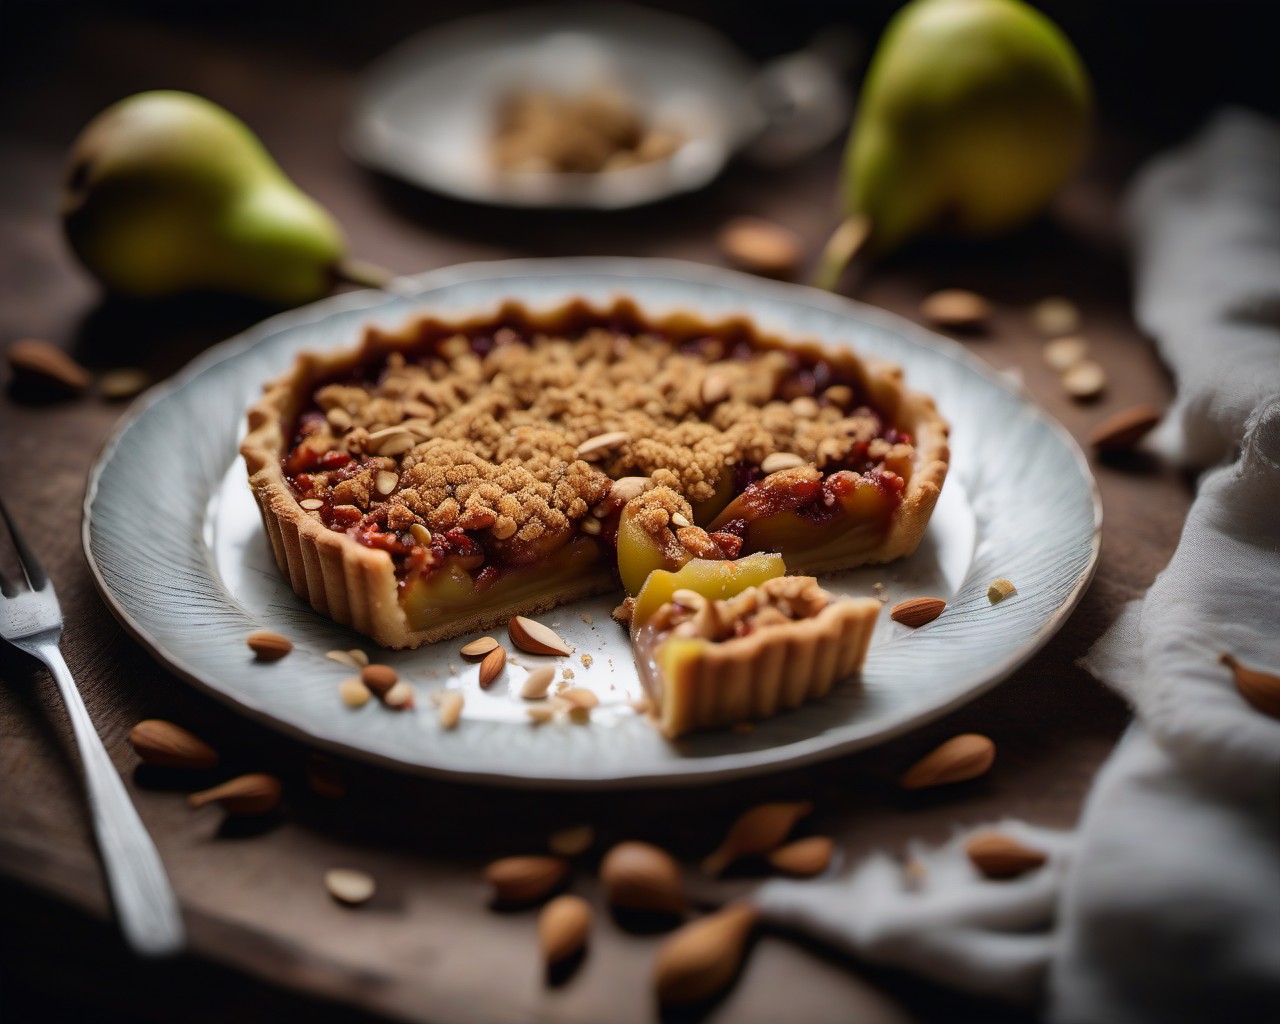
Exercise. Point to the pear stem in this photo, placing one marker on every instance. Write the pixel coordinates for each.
(843, 245)
(363, 273)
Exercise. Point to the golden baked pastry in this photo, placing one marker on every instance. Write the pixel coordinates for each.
(444, 477)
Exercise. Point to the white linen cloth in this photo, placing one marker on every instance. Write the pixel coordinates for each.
(1164, 905)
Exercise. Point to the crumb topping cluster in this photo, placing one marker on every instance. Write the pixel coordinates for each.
(523, 437)
(775, 602)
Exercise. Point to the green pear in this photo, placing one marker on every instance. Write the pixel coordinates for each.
(167, 192)
(972, 115)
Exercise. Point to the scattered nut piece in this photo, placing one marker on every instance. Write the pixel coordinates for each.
(578, 714)
(400, 696)
(573, 841)
(1124, 429)
(311, 504)
(541, 714)
(680, 519)
(1063, 353)
(162, 743)
(1085, 380)
(118, 385)
(644, 877)
(491, 667)
(533, 637)
(956, 309)
(1055, 316)
(917, 611)
(590, 526)
(1261, 689)
(479, 648)
(269, 646)
(581, 697)
(563, 927)
(42, 364)
(998, 856)
(537, 683)
(601, 443)
(804, 858)
(349, 886)
(353, 692)
(525, 879)
(999, 590)
(960, 759)
(248, 795)
(421, 534)
(779, 461)
(386, 481)
(715, 388)
(756, 832)
(760, 246)
(379, 678)
(450, 709)
(345, 658)
(688, 598)
(701, 958)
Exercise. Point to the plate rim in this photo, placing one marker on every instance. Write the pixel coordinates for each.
(706, 771)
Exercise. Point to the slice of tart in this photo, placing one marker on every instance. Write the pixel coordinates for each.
(442, 478)
(717, 643)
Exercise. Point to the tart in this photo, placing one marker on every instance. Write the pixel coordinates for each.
(441, 478)
(718, 643)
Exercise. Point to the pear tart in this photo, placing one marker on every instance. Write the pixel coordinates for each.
(441, 478)
(718, 643)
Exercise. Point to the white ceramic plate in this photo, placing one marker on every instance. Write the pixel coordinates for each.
(178, 550)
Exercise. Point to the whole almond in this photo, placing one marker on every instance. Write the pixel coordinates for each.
(537, 683)
(43, 364)
(491, 667)
(573, 841)
(479, 647)
(701, 958)
(535, 638)
(803, 858)
(449, 713)
(640, 876)
(349, 886)
(998, 856)
(159, 742)
(760, 246)
(756, 832)
(1261, 689)
(917, 611)
(525, 879)
(1124, 429)
(379, 678)
(956, 308)
(268, 645)
(961, 758)
(563, 927)
(247, 795)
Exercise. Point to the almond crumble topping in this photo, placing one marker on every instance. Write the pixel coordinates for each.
(775, 602)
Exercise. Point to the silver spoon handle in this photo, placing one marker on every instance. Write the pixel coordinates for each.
(144, 900)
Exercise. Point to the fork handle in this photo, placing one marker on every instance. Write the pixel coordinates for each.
(144, 900)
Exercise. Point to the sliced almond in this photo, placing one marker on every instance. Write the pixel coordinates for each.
(573, 841)
(716, 387)
(702, 957)
(525, 879)
(917, 611)
(42, 364)
(760, 246)
(268, 645)
(1261, 689)
(580, 697)
(956, 308)
(386, 481)
(804, 858)
(1055, 316)
(533, 637)
(311, 504)
(396, 443)
(420, 534)
(999, 589)
(1063, 353)
(594, 447)
(541, 714)
(563, 927)
(344, 658)
(756, 832)
(779, 461)
(960, 759)
(491, 667)
(537, 683)
(124, 383)
(680, 520)
(590, 526)
(479, 647)
(504, 528)
(162, 743)
(627, 487)
(998, 856)
(349, 886)
(449, 711)
(339, 419)
(1124, 429)
(248, 795)
(353, 692)
(379, 678)
(1085, 380)
(400, 696)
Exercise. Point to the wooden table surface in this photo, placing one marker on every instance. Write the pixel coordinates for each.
(266, 942)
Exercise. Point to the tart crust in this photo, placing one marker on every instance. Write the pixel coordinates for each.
(356, 585)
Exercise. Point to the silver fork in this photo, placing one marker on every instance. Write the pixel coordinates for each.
(31, 620)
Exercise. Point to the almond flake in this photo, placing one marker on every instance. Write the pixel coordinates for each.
(312, 504)
(581, 697)
(450, 709)
(537, 683)
(590, 526)
(343, 658)
(779, 461)
(420, 533)
(680, 520)
(1063, 353)
(479, 647)
(399, 696)
(386, 481)
(602, 442)
(1085, 380)
(533, 637)
(999, 590)
(349, 886)
(353, 692)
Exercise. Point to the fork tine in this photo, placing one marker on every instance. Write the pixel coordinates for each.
(31, 567)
